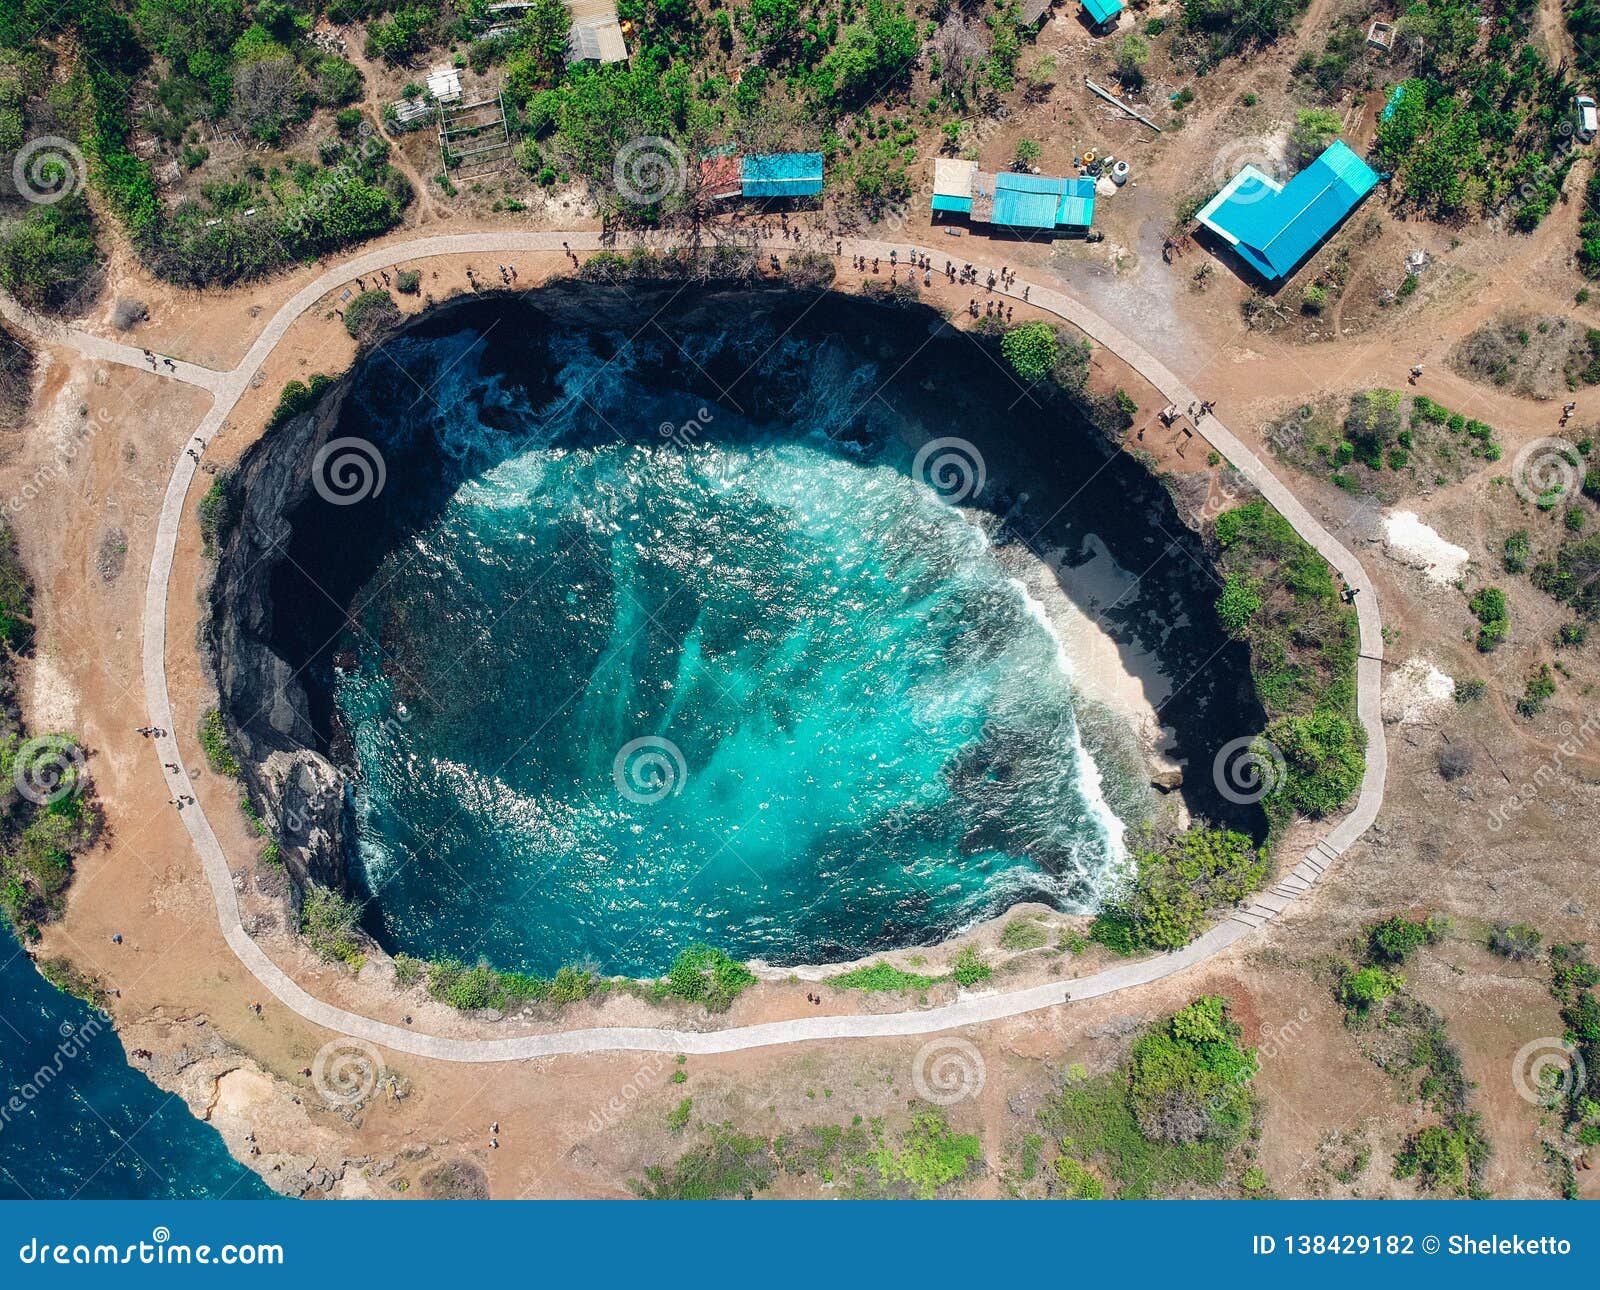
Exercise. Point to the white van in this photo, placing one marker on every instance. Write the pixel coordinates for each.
(1588, 120)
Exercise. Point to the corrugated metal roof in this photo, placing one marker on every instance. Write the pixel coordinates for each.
(1102, 11)
(1042, 201)
(1025, 210)
(1077, 211)
(782, 174)
(961, 205)
(1275, 228)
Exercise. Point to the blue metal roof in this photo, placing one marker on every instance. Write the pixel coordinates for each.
(1274, 228)
(943, 202)
(781, 174)
(1102, 11)
(1042, 201)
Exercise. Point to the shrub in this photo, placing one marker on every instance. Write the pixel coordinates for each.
(707, 976)
(1363, 988)
(1515, 555)
(1540, 687)
(1395, 939)
(1516, 941)
(48, 257)
(369, 313)
(1032, 349)
(328, 921)
(216, 745)
(1455, 761)
(1115, 929)
(1074, 1182)
(1237, 604)
(1324, 760)
(1444, 1157)
(219, 511)
(968, 967)
(880, 978)
(1489, 607)
(1175, 888)
(1023, 934)
(1189, 1080)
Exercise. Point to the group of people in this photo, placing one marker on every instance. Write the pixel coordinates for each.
(154, 366)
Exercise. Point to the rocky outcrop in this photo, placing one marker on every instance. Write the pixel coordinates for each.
(299, 790)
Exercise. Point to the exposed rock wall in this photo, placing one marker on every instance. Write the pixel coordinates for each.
(263, 704)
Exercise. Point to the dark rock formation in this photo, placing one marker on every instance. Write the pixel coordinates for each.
(299, 791)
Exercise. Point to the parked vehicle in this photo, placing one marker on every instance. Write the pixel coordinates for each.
(1588, 118)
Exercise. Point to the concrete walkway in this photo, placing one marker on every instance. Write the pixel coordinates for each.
(973, 1008)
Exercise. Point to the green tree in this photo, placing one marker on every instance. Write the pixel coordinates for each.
(1032, 349)
(1314, 129)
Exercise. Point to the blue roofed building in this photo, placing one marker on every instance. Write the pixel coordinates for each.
(781, 174)
(1015, 201)
(1102, 13)
(1274, 226)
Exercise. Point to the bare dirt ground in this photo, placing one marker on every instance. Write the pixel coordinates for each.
(1476, 849)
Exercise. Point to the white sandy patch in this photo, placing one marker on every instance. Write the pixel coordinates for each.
(1416, 691)
(53, 703)
(1126, 678)
(1408, 540)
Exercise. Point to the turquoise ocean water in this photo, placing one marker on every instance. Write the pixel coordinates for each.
(647, 672)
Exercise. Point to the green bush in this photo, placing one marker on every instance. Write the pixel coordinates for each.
(219, 510)
(369, 313)
(1363, 988)
(216, 745)
(1023, 934)
(1516, 941)
(1445, 1157)
(707, 976)
(1032, 349)
(968, 967)
(1489, 607)
(1176, 887)
(329, 922)
(1395, 939)
(48, 257)
(882, 977)
(1189, 1079)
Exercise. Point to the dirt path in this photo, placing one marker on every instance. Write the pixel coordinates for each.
(427, 211)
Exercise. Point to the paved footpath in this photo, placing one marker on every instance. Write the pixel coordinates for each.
(972, 1008)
